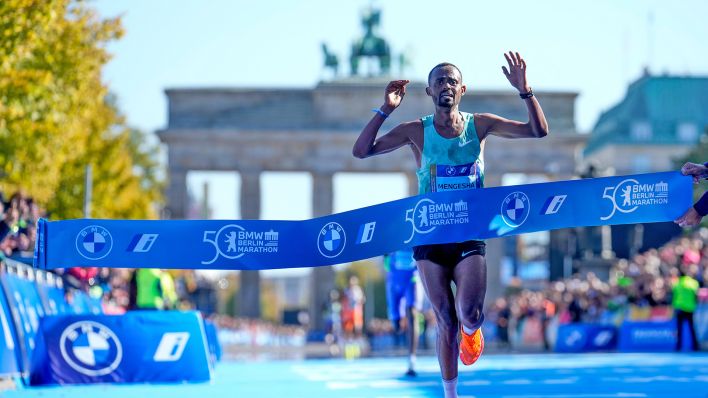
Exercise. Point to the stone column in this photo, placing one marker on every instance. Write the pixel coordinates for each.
(177, 193)
(249, 294)
(321, 278)
(495, 250)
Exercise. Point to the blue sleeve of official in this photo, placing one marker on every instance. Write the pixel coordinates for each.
(702, 205)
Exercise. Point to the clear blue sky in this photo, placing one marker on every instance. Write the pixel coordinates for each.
(593, 47)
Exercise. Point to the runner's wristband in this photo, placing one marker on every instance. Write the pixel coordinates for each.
(380, 112)
(526, 95)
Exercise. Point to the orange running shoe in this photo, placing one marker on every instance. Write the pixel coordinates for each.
(471, 346)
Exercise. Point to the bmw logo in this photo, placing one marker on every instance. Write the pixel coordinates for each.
(515, 209)
(94, 242)
(331, 240)
(90, 348)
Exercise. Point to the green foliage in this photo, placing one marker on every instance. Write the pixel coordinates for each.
(56, 115)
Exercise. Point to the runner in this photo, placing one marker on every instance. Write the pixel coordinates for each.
(451, 140)
(402, 289)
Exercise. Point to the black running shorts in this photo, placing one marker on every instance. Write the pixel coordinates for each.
(449, 254)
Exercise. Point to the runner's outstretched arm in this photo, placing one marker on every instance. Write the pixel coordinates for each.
(536, 127)
(367, 144)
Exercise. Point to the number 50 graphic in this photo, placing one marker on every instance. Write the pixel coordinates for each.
(625, 189)
(226, 235)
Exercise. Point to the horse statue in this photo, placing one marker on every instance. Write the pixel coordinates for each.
(330, 60)
(371, 45)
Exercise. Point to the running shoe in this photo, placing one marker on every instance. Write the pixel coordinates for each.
(471, 346)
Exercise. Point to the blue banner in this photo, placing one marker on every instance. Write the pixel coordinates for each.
(26, 308)
(439, 217)
(138, 347)
(586, 337)
(9, 345)
(700, 319)
(648, 336)
(82, 303)
(53, 299)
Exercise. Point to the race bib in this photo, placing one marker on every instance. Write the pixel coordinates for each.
(455, 178)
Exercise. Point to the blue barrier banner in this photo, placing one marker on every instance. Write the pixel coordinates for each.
(586, 337)
(82, 303)
(138, 347)
(648, 336)
(700, 319)
(439, 217)
(212, 337)
(26, 308)
(9, 345)
(53, 299)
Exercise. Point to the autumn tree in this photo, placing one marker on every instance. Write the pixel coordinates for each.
(57, 117)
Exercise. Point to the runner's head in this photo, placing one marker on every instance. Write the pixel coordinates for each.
(445, 85)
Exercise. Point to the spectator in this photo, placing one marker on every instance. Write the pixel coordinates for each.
(169, 293)
(502, 322)
(81, 278)
(154, 289)
(4, 224)
(335, 317)
(11, 217)
(356, 300)
(685, 302)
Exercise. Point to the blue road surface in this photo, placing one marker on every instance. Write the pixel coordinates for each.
(536, 376)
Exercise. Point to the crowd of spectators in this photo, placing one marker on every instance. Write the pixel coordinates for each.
(18, 228)
(639, 288)
(119, 289)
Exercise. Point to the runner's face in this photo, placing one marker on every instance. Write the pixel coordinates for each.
(446, 87)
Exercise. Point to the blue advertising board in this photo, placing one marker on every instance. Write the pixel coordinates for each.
(586, 337)
(26, 309)
(53, 299)
(9, 349)
(138, 347)
(651, 336)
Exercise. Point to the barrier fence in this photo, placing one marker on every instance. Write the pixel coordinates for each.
(46, 339)
(49, 339)
(622, 331)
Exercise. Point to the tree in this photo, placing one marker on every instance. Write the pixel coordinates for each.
(56, 114)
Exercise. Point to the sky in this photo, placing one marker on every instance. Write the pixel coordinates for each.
(595, 48)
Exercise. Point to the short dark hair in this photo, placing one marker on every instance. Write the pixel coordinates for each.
(440, 65)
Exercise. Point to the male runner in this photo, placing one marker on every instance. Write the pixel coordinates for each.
(402, 283)
(452, 138)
